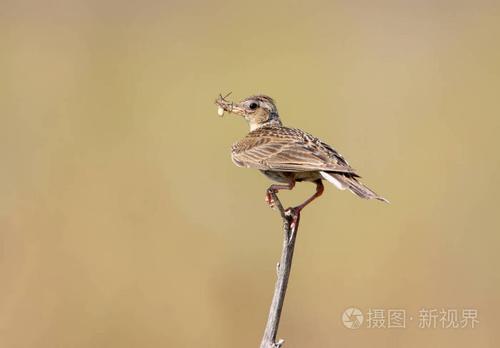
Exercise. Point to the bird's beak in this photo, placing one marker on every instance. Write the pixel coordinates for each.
(227, 106)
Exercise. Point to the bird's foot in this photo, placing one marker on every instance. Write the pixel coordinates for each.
(294, 214)
(269, 197)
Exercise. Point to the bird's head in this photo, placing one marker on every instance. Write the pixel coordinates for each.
(258, 110)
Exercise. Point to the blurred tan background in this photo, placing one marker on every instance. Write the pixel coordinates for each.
(123, 222)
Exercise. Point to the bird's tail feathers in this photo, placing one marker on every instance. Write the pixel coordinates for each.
(342, 182)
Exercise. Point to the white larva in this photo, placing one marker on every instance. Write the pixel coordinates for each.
(220, 111)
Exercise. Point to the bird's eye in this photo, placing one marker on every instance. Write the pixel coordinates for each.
(254, 106)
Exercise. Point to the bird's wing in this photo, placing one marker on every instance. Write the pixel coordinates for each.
(287, 149)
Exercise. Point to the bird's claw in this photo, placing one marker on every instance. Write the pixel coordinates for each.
(269, 198)
(294, 214)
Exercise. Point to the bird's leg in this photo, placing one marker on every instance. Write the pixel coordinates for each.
(319, 191)
(296, 210)
(275, 188)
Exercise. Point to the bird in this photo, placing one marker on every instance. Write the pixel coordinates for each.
(288, 155)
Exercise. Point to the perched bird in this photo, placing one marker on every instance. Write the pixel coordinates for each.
(288, 155)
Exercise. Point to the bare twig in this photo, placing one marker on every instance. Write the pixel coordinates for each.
(290, 226)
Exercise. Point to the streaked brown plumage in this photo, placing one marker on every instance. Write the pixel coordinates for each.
(288, 155)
